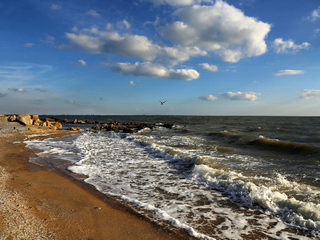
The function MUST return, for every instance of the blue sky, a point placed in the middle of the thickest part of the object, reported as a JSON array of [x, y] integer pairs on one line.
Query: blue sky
[[204, 57]]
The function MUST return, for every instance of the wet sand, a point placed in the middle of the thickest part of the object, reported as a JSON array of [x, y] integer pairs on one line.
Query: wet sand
[[37, 204]]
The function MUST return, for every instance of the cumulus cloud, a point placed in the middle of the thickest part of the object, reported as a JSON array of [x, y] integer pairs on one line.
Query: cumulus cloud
[[315, 15], [55, 6], [16, 89], [288, 46], [306, 94], [208, 67], [3, 95], [93, 13], [209, 98], [288, 72], [149, 69], [221, 28], [316, 31], [28, 44], [132, 83], [179, 3], [127, 45], [95, 41], [234, 96]]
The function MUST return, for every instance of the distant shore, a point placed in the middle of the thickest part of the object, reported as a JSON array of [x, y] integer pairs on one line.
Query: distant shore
[[39, 204]]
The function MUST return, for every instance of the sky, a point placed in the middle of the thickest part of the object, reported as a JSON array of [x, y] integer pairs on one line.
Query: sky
[[203, 57]]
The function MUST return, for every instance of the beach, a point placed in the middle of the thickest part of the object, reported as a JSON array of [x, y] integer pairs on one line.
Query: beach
[[174, 177], [38, 204]]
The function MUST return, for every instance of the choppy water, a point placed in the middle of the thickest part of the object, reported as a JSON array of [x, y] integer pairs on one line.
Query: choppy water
[[216, 177]]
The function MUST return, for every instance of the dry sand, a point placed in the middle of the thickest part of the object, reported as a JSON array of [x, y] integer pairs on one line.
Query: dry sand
[[37, 204]]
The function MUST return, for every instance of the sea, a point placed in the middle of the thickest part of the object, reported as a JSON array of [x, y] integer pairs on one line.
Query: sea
[[215, 177]]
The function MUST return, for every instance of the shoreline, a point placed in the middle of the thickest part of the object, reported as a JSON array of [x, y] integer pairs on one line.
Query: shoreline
[[58, 205]]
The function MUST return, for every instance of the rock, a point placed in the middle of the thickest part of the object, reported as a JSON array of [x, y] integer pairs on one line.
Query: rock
[[3, 118], [34, 117], [168, 125], [95, 127], [25, 119], [73, 128], [88, 122], [81, 122], [12, 118], [58, 126], [75, 121], [52, 120]]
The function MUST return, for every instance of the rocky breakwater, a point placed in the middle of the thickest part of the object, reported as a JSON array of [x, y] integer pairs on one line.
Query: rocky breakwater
[[33, 122], [126, 127]]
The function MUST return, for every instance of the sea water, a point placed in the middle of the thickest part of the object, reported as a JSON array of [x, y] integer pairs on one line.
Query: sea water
[[215, 177]]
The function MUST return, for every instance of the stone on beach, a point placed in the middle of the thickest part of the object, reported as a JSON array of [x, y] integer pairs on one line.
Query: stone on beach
[[25, 119]]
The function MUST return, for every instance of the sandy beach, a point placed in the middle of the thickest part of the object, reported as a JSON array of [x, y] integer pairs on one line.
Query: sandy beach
[[37, 204]]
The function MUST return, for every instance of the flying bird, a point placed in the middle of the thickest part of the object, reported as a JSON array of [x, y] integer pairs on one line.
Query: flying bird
[[162, 102]]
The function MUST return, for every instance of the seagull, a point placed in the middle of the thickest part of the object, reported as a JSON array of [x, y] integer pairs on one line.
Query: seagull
[[162, 102]]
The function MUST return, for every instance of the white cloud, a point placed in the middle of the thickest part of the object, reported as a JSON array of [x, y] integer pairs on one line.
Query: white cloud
[[209, 98], [28, 44], [306, 94], [75, 29], [149, 69], [82, 62], [315, 15], [221, 28], [16, 89], [55, 6], [246, 96], [95, 41], [316, 31], [132, 83], [123, 24], [93, 13], [109, 26], [3, 95], [208, 67], [281, 46], [288, 72], [177, 3]]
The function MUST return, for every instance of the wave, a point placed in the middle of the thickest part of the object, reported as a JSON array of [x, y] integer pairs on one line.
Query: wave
[[264, 143], [272, 195], [288, 146]]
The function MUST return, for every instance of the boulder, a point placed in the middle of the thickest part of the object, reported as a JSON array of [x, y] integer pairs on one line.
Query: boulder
[[95, 127], [37, 122], [3, 118], [52, 120], [12, 118], [34, 117], [103, 126], [88, 122], [81, 122], [25, 119], [58, 126], [73, 128]]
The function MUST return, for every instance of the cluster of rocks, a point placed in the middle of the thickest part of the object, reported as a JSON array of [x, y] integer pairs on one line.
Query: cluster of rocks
[[76, 121], [125, 127], [32, 120]]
